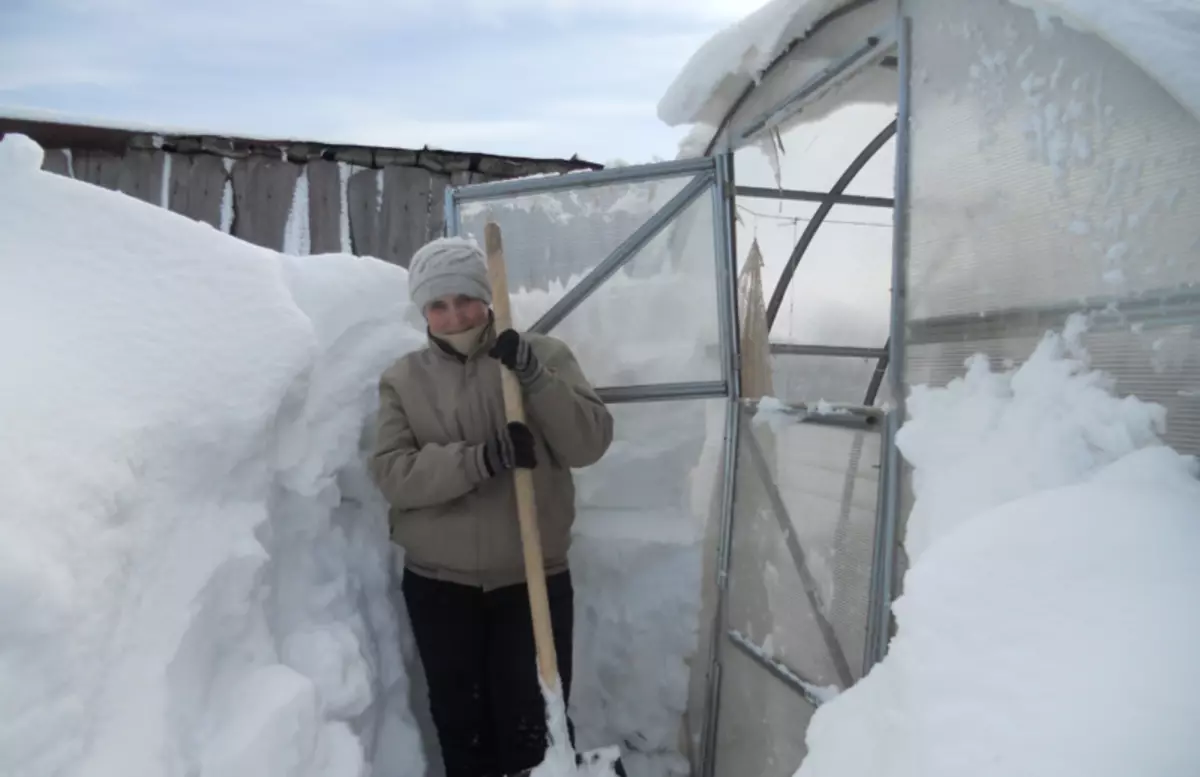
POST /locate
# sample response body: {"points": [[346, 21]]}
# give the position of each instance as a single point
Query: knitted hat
{"points": [[448, 265]]}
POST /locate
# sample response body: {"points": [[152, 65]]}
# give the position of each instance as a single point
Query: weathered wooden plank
{"points": [[362, 199], [465, 177], [324, 207], [197, 187], [405, 217], [142, 175], [437, 208], [101, 168], [263, 190], [55, 161]]}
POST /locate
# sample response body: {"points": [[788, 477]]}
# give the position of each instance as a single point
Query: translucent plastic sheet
{"points": [[798, 586], [656, 320], [812, 157], [551, 236], [762, 723], [799, 580], [840, 379], [1049, 176], [826, 480], [840, 293]]}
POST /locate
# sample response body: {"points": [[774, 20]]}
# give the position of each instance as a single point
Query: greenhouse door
{"points": [[633, 268]]}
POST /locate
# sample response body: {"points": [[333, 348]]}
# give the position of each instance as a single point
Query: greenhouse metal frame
{"points": [[713, 175]]}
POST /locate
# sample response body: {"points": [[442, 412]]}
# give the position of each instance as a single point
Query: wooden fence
{"points": [[294, 196]]}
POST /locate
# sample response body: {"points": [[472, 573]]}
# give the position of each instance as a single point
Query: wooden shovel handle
{"points": [[514, 410]]}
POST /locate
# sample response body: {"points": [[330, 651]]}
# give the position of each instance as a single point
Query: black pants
{"points": [[481, 666]]}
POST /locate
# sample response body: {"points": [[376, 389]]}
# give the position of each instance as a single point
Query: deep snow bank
{"points": [[192, 560], [1048, 622]]}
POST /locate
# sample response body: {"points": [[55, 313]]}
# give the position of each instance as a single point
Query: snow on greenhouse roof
{"points": [[1160, 36]]}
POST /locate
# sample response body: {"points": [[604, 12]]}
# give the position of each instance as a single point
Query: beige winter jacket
{"points": [[437, 409]]}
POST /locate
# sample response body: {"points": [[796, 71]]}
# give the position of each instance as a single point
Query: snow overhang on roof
{"points": [[1160, 36]]}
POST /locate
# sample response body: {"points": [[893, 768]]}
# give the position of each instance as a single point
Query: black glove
{"points": [[510, 449], [514, 352]]}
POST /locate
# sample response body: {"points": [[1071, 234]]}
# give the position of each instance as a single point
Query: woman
{"points": [[444, 458]]}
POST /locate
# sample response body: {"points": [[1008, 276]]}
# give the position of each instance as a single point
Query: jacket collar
{"points": [[446, 351]]}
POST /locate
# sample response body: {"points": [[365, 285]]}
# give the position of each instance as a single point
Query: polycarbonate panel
{"points": [[645, 585], [837, 379], [1049, 171], [553, 238], [827, 479], [656, 319], [811, 157], [763, 722], [840, 293]]}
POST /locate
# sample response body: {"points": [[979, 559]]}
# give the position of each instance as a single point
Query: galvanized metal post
{"points": [[891, 472], [723, 204]]}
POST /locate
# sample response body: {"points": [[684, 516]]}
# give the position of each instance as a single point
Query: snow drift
{"points": [[194, 570], [1048, 622], [192, 560]]}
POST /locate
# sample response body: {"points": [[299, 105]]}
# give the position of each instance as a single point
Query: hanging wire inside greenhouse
{"points": [[799, 219]]}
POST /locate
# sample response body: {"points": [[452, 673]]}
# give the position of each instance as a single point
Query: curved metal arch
{"points": [[810, 231]]}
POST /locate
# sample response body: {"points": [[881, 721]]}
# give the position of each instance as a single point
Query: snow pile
{"points": [[192, 559], [20, 156], [1048, 623]]}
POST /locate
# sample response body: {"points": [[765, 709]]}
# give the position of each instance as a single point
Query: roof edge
{"points": [[63, 133]]}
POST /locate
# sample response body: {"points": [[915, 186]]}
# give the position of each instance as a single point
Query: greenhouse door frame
{"points": [[711, 175]]}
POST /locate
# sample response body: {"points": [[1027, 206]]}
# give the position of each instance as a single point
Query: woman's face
{"points": [[455, 313]]}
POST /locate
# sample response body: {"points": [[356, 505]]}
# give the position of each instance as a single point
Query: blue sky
{"points": [[529, 77]]}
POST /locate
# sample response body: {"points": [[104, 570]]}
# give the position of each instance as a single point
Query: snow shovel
{"points": [[560, 761]]}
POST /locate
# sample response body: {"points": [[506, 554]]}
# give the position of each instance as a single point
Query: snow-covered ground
{"points": [[194, 571], [1048, 624]]}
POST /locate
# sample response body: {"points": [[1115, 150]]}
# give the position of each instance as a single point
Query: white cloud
{"points": [[369, 71]]}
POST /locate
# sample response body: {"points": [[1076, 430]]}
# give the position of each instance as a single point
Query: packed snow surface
{"points": [[194, 569], [1160, 36], [1048, 624]]}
